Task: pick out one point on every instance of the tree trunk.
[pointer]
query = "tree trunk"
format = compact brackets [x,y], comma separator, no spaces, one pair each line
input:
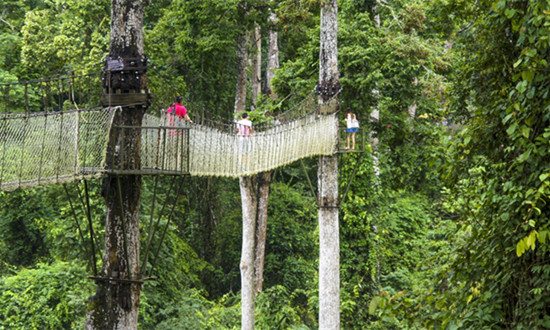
[375,116]
[264,181]
[412,108]
[248,200]
[242,54]
[272,54]
[329,244]
[249,203]
[256,86]
[116,302]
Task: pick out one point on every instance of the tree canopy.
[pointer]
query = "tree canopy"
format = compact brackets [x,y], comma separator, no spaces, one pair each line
[451,232]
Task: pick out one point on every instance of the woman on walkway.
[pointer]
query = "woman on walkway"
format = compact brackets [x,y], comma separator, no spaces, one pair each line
[177,113]
[244,131]
[352,127]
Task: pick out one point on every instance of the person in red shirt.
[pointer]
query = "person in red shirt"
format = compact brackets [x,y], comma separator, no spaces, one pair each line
[177,113]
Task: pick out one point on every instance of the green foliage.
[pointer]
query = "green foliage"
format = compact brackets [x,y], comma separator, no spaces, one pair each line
[402,230]
[43,226]
[64,239]
[498,171]
[409,153]
[390,259]
[292,36]
[196,43]
[210,222]
[12,19]
[277,308]
[414,254]
[176,271]
[9,51]
[21,227]
[291,246]
[65,35]
[193,311]
[51,296]
[358,243]
[408,294]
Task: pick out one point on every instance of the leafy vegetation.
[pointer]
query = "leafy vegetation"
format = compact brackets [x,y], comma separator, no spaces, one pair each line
[451,232]
[48,296]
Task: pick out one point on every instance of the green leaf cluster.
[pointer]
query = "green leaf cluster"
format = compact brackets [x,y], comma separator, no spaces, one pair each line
[498,171]
[453,232]
[51,296]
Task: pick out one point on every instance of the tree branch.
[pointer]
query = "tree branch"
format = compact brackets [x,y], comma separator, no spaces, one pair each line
[11,26]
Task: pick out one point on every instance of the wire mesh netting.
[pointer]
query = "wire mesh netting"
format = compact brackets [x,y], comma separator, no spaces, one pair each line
[48,148]
[218,151]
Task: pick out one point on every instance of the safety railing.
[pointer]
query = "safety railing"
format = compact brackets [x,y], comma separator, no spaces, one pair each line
[49,148]
[164,150]
[361,140]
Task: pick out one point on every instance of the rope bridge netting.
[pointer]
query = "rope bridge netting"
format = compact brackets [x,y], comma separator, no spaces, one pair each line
[50,148]
[41,148]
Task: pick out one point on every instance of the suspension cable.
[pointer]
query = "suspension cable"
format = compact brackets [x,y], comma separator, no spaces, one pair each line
[166,226]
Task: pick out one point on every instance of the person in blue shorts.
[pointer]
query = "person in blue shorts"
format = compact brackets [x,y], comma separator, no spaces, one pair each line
[352,127]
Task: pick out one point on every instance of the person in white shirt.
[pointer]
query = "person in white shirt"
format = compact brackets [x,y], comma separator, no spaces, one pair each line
[244,131]
[352,127]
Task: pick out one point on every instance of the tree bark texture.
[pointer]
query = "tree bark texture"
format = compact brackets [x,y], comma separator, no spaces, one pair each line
[412,107]
[272,54]
[127,27]
[116,302]
[264,181]
[375,116]
[329,241]
[329,75]
[249,201]
[256,79]
[242,75]
[329,244]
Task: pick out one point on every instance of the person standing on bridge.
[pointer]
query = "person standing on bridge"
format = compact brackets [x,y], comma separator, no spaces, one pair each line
[244,130]
[352,127]
[177,114]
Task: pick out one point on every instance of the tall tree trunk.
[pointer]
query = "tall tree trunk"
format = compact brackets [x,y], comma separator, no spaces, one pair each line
[412,108]
[329,244]
[256,86]
[375,116]
[249,203]
[264,181]
[272,54]
[248,199]
[242,74]
[116,302]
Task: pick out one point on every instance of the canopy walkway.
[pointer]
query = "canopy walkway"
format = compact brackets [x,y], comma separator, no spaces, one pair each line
[60,145]
[41,148]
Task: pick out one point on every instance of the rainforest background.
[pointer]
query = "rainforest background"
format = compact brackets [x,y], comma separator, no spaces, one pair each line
[450,233]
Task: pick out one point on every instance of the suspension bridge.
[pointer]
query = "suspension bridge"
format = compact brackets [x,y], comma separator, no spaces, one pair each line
[68,140]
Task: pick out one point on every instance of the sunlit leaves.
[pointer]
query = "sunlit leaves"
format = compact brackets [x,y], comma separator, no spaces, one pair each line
[501,92]
[64,35]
